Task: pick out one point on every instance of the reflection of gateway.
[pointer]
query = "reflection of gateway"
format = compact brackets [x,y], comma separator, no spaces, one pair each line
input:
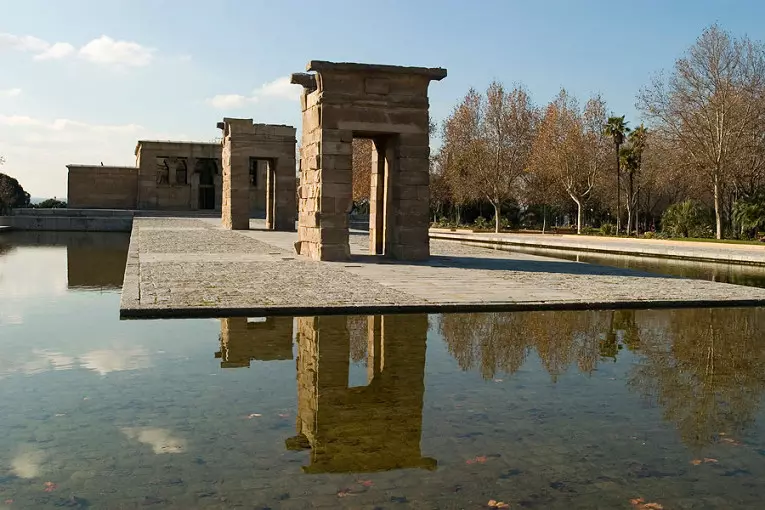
[361,429]
[243,340]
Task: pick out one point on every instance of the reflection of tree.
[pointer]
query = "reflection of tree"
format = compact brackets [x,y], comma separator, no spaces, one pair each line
[501,341]
[489,341]
[705,367]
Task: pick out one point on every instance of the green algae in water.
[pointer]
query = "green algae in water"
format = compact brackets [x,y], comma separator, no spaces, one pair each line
[536,409]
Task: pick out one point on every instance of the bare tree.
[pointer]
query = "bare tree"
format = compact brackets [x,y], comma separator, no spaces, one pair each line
[571,148]
[708,105]
[488,141]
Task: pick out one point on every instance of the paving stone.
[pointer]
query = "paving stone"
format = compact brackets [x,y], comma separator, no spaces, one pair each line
[196,268]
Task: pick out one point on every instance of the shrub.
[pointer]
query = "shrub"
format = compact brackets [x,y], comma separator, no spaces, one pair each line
[587,230]
[51,203]
[749,214]
[687,219]
[482,223]
[649,235]
[608,229]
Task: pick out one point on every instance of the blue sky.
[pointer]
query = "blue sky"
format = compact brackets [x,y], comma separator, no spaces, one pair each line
[81,81]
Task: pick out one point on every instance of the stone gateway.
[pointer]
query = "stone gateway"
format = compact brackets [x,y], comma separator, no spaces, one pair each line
[389,105]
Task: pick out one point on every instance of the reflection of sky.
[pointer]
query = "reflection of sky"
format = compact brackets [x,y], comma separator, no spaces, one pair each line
[46,327]
[29,278]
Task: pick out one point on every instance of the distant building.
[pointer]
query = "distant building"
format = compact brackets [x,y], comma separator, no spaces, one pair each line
[168,176]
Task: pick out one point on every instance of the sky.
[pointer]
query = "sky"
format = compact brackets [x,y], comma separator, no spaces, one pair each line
[81,81]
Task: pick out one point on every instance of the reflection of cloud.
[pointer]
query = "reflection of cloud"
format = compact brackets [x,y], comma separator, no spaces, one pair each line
[10,318]
[160,440]
[43,361]
[28,462]
[104,361]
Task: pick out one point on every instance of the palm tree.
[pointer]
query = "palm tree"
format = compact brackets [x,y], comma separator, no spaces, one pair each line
[629,162]
[616,128]
[638,139]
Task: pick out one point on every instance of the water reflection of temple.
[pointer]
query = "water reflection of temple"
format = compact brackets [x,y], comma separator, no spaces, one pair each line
[243,340]
[375,427]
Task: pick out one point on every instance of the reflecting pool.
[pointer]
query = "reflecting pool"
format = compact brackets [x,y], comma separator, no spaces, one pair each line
[548,410]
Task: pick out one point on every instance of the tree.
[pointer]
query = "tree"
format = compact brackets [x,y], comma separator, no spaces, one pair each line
[570,147]
[459,132]
[638,140]
[489,139]
[629,162]
[709,106]
[12,195]
[362,168]
[51,203]
[616,128]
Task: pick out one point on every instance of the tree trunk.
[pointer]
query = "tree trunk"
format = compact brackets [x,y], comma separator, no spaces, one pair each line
[544,218]
[618,193]
[578,214]
[630,204]
[496,217]
[718,212]
[459,210]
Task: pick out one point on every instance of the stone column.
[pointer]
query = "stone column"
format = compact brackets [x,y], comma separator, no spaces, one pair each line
[284,192]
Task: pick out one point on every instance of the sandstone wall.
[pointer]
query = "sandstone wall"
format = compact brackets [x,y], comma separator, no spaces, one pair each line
[102,187]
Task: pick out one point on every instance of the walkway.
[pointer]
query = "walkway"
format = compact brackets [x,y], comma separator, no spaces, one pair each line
[687,250]
[180,267]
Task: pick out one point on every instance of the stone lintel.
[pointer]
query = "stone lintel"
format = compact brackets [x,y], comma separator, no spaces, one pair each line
[434,73]
[308,81]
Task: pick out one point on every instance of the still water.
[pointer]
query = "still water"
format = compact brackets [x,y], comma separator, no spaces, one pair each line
[738,274]
[548,410]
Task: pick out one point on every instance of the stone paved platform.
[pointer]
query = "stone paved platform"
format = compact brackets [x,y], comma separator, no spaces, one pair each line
[181,267]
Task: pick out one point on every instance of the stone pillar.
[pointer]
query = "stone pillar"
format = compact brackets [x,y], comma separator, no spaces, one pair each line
[410,196]
[235,213]
[377,200]
[326,189]
[285,193]
[270,195]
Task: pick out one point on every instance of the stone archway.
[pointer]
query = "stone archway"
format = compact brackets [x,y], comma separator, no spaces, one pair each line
[388,104]
[244,142]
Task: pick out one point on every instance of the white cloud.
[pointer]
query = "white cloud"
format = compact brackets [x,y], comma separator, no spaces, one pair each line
[103,50]
[56,51]
[23,43]
[279,89]
[230,101]
[64,124]
[38,149]
[10,92]
[106,50]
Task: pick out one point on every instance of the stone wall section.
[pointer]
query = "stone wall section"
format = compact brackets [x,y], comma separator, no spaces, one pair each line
[102,187]
[174,196]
